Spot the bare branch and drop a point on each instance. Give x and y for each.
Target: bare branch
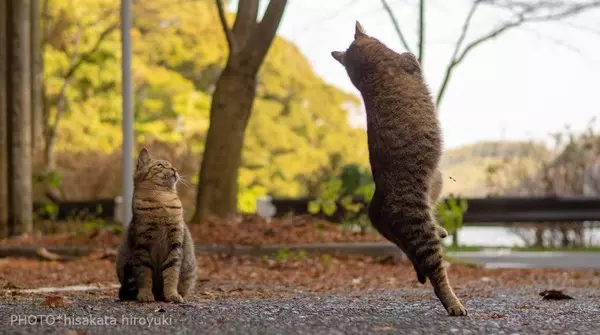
(465, 29)
(457, 47)
(228, 34)
(263, 35)
(556, 41)
(245, 21)
(525, 15)
(388, 9)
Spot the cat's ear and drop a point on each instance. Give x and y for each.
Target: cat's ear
(410, 63)
(339, 56)
(143, 158)
(359, 31)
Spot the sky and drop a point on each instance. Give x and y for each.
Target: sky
(523, 85)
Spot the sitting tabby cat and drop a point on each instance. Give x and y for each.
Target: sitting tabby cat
(156, 256)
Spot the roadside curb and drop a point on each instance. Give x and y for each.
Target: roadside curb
(376, 249)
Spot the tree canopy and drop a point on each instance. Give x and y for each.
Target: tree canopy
(298, 129)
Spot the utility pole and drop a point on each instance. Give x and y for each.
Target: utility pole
(126, 89)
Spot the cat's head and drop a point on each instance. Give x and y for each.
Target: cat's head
(153, 173)
(367, 54)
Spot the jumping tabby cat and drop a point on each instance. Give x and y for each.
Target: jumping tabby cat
(405, 145)
(156, 258)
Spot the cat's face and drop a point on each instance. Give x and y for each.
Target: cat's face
(156, 173)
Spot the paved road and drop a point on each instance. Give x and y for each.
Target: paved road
(406, 311)
(514, 259)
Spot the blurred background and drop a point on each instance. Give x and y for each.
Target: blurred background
(245, 100)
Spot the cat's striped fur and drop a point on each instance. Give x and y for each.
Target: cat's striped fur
(405, 145)
(156, 258)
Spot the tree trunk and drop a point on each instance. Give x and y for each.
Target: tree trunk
(37, 121)
(230, 110)
(19, 116)
(231, 105)
(3, 126)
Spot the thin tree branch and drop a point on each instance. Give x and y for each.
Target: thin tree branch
(489, 36)
(421, 31)
(522, 19)
(465, 29)
(245, 21)
(459, 43)
(50, 131)
(390, 13)
(556, 41)
(230, 38)
(76, 60)
(86, 55)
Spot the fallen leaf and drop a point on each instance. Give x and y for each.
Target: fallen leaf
(554, 295)
(384, 329)
(388, 260)
(76, 332)
(44, 254)
(57, 301)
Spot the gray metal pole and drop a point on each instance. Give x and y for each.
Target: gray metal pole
(127, 158)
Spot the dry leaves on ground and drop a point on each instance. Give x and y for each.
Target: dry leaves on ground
(240, 230)
(57, 301)
(221, 276)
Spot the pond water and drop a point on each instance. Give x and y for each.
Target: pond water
(501, 236)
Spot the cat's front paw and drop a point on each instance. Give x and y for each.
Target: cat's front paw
(145, 296)
(173, 297)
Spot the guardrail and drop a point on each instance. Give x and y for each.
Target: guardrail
(107, 209)
(481, 211)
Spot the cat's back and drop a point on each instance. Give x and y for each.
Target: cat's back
(395, 92)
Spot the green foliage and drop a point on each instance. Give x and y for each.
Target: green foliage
(49, 180)
(326, 259)
(298, 123)
(450, 213)
(282, 255)
(49, 209)
(354, 182)
(326, 202)
(247, 197)
(93, 225)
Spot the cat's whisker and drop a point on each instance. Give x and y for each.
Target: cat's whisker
(184, 182)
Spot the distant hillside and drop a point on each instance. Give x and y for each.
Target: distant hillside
(464, 168)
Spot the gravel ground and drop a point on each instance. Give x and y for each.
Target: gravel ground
(400, 311)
